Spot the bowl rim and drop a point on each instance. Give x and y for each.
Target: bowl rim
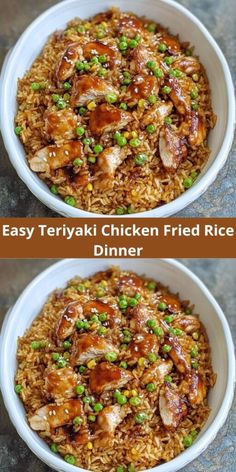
(57, 462)
(56, 203)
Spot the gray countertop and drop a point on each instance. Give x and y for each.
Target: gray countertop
(220, 278)
(219, 16)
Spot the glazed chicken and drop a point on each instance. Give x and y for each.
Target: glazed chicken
(87, 88)
(106, 118)
(66, 66)
(106, 376)
(54, 415)
(54, 157)
(66, 323)
(90, 346)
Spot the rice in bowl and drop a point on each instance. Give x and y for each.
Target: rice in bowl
(114, 373)
(138, 139)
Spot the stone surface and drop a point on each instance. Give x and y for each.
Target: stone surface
(220, 278)
(219, 200)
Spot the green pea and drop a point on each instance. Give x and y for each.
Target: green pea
(130, 209)
(77, 162)
(188, 182)
(168, 120)
(77, 420)
(133, 302)
(82, 369)
(94, 60)
(151, 28)
(61, 363)
(193, 175)
(123, 304)
(54, 189)
(81, 288)
(168, 378)
(166, 348)
(120, 469)
(134, 401)
(194, 106)
(168, 60)
(133, 43)
(123, 46)
(18, 388)
(158, 73)
(168, 319)
(79, 389)
(194, 352)
(102, 317)
(79, 65)
(81, 29)
(127, 81)
(140, 418)
(102, 330)
(178, 332)
(100, 293)
(86, 399)
(121, 399)
(187, 441)
(70, 200)
(166, 90)
(61, 104)
(100, 34)
(38, 344)
(67, 344)
(158, 331)
(162, 47)
(66, 85)
(98, 407)
(121, 141)
(194, 94)
(80, 130)
(82, 111)
(150, 387)
(152, 99)
(92, 159)
(54, 448)
(111, 98)
(111, 356)
(55, 356)
(70, 459)
(151, 286)
(135, 142)
(140, 159)
(123, 106)
(151, 65)
(151, 323)
(18, 130)
(151, 129)
(131, 468)
(194, 364)
(98, 148)
(36, 86)
(162, 306)
(102, 59)
(152, 357)
(55, 97)
(92, 418)
(123, 365)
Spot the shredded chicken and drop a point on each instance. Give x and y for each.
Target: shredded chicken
(87, 88)
(108, 161)
(54, 415)
(54, 157)
(90, 346)
(171, 406)
(106, 376)
(157, 113)
(107, 118)
(157, 372)
(172, 148)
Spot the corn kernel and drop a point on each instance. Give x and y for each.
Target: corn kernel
(134, 193)
(93, 326)
(87, 284)
(90, 187)
(126, 134)
(141, 103)
(93, 68)
(134, 134)
(91, 106)
(126, 393)
(141, 361)
(134, 393)
(104, 24)
(91, 364)
(87, 25)
(90, 445)
(134, 451)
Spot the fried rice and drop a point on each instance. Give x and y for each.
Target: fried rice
(114, 373)
(147, 142)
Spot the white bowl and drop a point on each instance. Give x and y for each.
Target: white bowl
(169, 13)
(171, 273)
